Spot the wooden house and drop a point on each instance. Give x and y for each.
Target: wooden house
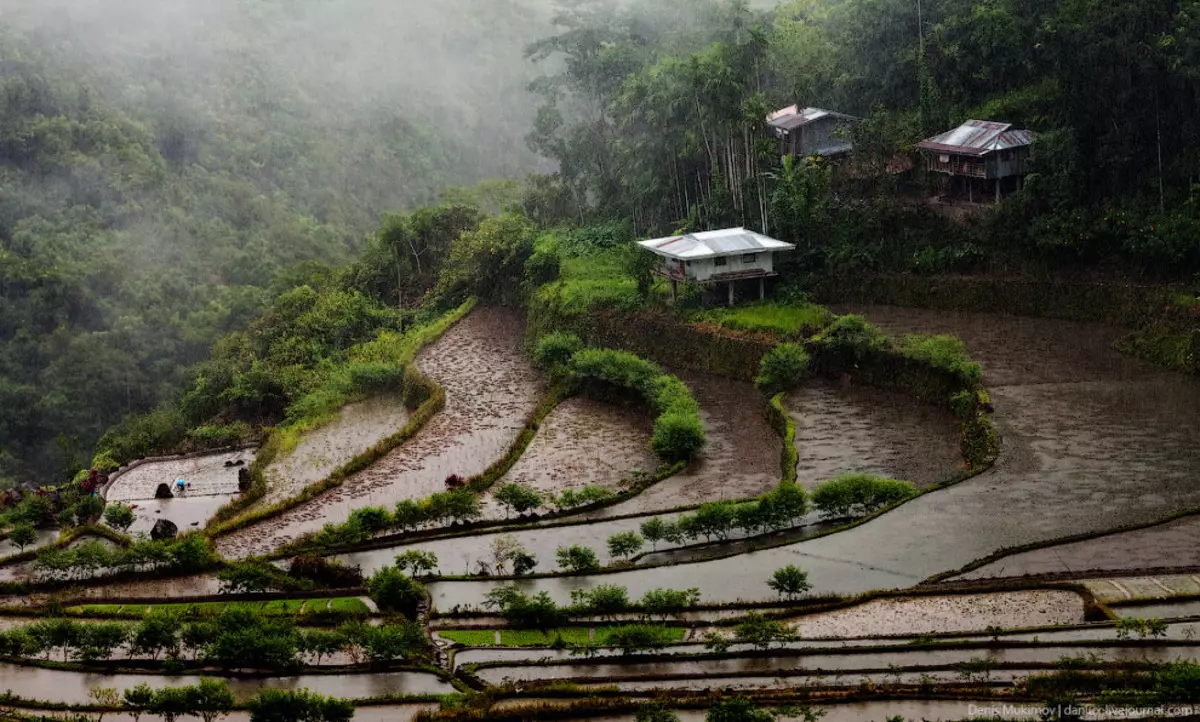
(713, 257)
(804, 132)
(979, 156)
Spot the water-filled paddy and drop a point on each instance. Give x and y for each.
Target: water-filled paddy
(490, 389)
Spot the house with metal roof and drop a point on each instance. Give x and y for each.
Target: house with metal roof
(979, 150)
(713, 257)
(804, 132)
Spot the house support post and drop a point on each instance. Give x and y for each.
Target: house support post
(731, 293)
(674, 289)
(970, 191)
(997, 190)
(762, 289)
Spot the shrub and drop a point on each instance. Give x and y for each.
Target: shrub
(554, 350)
(249, 576)
(636, 638)
(418, 561)
(275, 705)
(23, 534)
(572, 498)
(577, 559)
(790, 581)
(517, 498)
(761, 632)
(371, 519)
(654, 530)
(212, 437)
(624, 544)
(325, 573)
(859, 494)
(850, 340)
(605, 600)
(677, 436)
(945, 352)
(119, 516)
(783, 368)
(522, 610)
(392, 591)
(663, 601)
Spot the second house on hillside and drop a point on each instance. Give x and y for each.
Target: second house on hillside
(709, 258)
(979, 158)
(805, 132)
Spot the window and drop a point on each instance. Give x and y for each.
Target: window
(720, 261)
(749, 257)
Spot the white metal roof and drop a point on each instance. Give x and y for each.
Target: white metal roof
(711, 244)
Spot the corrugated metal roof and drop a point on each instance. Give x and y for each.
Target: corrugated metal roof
(793, 117)
(711, 244)
(978, 137)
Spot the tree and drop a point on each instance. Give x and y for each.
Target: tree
(100, 640)
(738, 710)
(273, 705)
(248, 576)
(715, 519)
(783, 368)
(393, 641)
(756, 629)
(119, 516)
(606, 600)
(106, 698)
(523, 563)
(783, 506)
(654, 530)
(171, 703)
(408, 515)
(790, 581)
(517, 498)
(210, 700)
(246, 638)
(854, 495)
(419, 562)
(577, 559)
(635, 638)
(139, 700)
(507, 549)
(196, 636)
(321, 642)
(22, 535)
(624, 544)
(664, 601)
(392, 591)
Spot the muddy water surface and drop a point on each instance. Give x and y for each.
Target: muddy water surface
(52, 685)
(740, 460)
(208, 476)
(1175, 544)
(490, 389)
(358, 427)
(849, 428)
(584, 442)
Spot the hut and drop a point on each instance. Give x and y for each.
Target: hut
(713, 257)
(804, 132)
(979, 155)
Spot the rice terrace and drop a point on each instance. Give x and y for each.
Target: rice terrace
(563, 360)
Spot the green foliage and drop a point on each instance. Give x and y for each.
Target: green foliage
(944, 352)
(678, 431)
(577, 559)
(624, 544)
(653, 530)
(119, 516)
(554, 350)
(761, 632)
(636, 638)
(574, 498)
(417, 562)
(850, 340)
(22, 535)
(783, 368)
(272, 705)
(859, 494)
(489, 261)
(784, 319)
(789, 581)
(656, 713)
(188, 554)
(662, 601)
(522, 610)
(392, 591)
(604, 600)
(250, 576)
(517, 498)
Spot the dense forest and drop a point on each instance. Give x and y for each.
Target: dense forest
(191, 193)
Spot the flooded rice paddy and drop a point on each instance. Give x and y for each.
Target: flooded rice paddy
(66, 687)
(1173, 544)
(1091, 440)
(584, 442)
(208, 475)
(357, 428)
(848, 428)
(741, 459)
(490, 390)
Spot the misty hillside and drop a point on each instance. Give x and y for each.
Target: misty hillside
(160, 162)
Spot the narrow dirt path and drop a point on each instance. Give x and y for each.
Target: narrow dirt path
(490, 389)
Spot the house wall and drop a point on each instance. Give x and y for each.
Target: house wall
(705, 269)
(817, 134)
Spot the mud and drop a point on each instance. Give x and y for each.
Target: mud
(1166, 545)
(67, 687)
(358, 427)
(584, 442)
(741, 458)
(914, 616)
(208, 476)
(44, 537)
(156, 589)
(490, 390)
(848, 428)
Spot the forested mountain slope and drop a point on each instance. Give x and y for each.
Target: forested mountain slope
(161, 162)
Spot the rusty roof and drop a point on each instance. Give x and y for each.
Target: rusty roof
(793, 117)
(977, 138)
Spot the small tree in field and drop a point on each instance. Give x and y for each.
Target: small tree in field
(790, 581)
(654, 530)
(105, 697)
(577, 558)
(419, 562)
(624, 544)
(138, 700)
(656, 713)
(119, 517)
(22, 536)
(210, 700)
(517, 498)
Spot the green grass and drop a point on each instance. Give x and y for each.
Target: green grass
(278, 607)
(785, 320)
(535, 638)
(598, 280)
